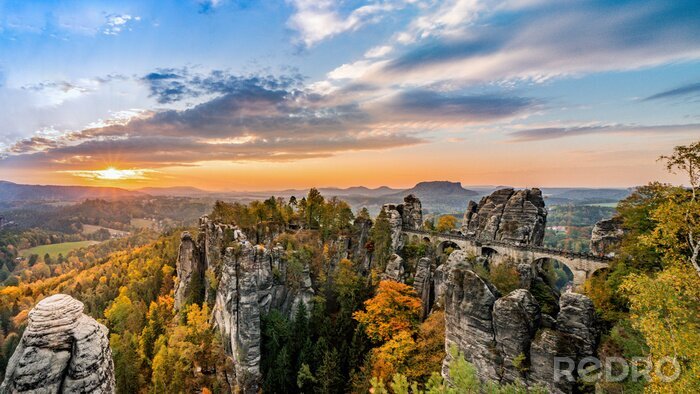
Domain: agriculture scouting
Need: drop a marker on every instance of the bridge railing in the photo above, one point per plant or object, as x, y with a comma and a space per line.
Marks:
532, 248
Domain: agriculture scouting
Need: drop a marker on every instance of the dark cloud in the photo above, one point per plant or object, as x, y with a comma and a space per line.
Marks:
263, 118
561, 132
429, 104
692, 89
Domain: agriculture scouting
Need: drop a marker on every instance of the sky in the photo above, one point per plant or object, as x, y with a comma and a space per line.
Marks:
263, 95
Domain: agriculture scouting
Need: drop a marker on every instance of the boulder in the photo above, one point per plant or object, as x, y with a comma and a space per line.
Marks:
547, 345
62, 350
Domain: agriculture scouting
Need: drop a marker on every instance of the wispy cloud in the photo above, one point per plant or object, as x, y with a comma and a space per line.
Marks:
692, 89
549, 133
117, 23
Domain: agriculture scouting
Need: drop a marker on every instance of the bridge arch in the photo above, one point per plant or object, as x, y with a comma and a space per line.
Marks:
556, 272
442, 246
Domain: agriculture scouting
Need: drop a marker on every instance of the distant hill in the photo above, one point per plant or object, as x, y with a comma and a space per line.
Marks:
17, 192
176, 191
558, 196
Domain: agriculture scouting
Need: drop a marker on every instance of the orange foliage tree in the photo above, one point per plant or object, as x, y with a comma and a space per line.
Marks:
395, 308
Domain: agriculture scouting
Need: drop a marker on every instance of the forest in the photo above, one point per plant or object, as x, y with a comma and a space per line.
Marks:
362, 332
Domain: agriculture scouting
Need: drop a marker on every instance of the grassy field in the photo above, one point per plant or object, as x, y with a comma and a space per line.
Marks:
54, 249
142, 223
91, 228
604, 205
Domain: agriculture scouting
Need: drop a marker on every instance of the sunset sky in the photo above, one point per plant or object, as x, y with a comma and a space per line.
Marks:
259, 95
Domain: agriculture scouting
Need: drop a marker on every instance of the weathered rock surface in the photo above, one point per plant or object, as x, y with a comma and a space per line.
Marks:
516, 318
507, 215
468, 322
394, 269
606, 237
508, 339
61, 351
396, 226
422, 283
190, 271
361, 228
457, 258
237, 313
577, 317
412, 213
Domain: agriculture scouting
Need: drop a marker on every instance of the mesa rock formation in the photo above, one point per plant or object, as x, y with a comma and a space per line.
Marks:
506, 215
62, 350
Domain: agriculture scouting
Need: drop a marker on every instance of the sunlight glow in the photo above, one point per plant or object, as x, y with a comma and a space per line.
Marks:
112, 174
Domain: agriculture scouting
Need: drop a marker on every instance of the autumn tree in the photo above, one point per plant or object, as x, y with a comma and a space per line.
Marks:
446, 223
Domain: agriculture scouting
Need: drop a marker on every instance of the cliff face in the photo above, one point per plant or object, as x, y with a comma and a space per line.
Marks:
507, 338
606, 237
62, 350
252, 279
517, 217
408, 215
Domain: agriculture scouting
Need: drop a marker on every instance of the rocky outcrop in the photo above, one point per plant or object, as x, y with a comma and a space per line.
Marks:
395, 225
422, 284
412, 213
62, 350
394, 269
469, 323
517, 217
606, 237
516, 318
190, 272
509, 339
577, 317
237, 313
358, 250
457, 258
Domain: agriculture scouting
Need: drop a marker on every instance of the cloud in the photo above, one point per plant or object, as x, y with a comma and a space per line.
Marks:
260, 118
549, 133
483, 43
318, 20
57, 92
425, 104
116, 23
692, 89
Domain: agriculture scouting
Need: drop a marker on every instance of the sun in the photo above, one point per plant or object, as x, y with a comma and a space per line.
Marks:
112, 174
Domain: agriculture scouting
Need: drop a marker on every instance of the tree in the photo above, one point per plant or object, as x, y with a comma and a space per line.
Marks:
686, 159
380, 239
395, 308
446, 223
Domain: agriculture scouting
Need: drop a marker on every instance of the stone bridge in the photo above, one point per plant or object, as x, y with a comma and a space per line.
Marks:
582, 265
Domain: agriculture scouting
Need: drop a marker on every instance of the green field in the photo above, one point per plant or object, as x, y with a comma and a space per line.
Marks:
604, 205
54, 249
91, 228
142, 223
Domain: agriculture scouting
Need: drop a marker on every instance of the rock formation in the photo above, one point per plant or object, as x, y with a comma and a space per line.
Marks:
606, 237
507, 338
394, 269
423, 282
252, 280
412, 213
396, 226
517, 217
455, 259
190, 272
62, 350
407, 215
